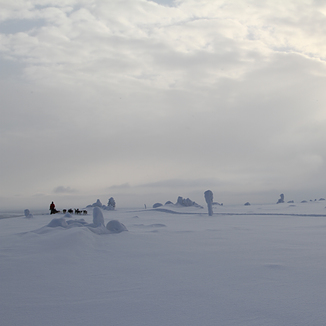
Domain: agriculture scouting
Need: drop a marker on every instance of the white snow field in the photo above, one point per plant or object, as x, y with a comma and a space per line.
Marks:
264, 266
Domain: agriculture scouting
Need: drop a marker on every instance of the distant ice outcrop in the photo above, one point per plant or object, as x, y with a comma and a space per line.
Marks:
281, 200
208, 194
180, 202
111, 202
96, 204
27, 213
186, 202
110, 207
157, 205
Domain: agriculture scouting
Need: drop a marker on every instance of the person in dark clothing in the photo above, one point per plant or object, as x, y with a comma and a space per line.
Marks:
52, 208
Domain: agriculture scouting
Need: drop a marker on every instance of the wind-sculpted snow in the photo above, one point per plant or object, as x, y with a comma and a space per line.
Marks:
115, 226
170, 211
98, 225
290, 210
154, 225
56, 222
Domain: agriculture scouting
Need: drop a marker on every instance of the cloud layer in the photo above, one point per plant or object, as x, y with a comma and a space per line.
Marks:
97, 94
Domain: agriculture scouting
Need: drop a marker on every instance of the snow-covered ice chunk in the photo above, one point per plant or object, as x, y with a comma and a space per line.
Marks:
209, 200
98, 218
27, 213
157, 205
115, 226
281, 200
186, 202
111, 202
96, 204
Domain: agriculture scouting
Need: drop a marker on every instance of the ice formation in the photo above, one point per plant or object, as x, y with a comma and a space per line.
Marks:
96, 204
27, 213
111, 202
185, 202
209, 200
98, 218
281, 199
157, 205
110, 207
97, 226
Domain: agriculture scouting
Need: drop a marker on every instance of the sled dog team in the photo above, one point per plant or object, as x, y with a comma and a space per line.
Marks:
64, 211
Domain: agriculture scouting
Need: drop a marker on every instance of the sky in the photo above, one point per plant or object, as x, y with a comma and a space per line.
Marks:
149, 100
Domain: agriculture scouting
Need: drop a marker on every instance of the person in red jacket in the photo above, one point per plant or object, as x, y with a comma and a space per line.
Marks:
52, 208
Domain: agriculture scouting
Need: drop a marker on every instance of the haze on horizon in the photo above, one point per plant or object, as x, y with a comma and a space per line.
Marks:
148, 100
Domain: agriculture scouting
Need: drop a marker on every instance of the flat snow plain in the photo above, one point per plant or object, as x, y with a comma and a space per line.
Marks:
245, 265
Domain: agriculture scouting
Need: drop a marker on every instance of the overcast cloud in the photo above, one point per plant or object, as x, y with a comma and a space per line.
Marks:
146, 100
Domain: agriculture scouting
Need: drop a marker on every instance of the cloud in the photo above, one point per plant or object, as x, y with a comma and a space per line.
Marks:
64, 190
120, 187
180, 183
170, 3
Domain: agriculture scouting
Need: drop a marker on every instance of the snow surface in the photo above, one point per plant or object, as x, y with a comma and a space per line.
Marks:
245, 265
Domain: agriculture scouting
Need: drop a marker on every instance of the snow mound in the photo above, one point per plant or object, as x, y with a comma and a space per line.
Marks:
157, 205
56, 222
157, 225
115, 226
80, 222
